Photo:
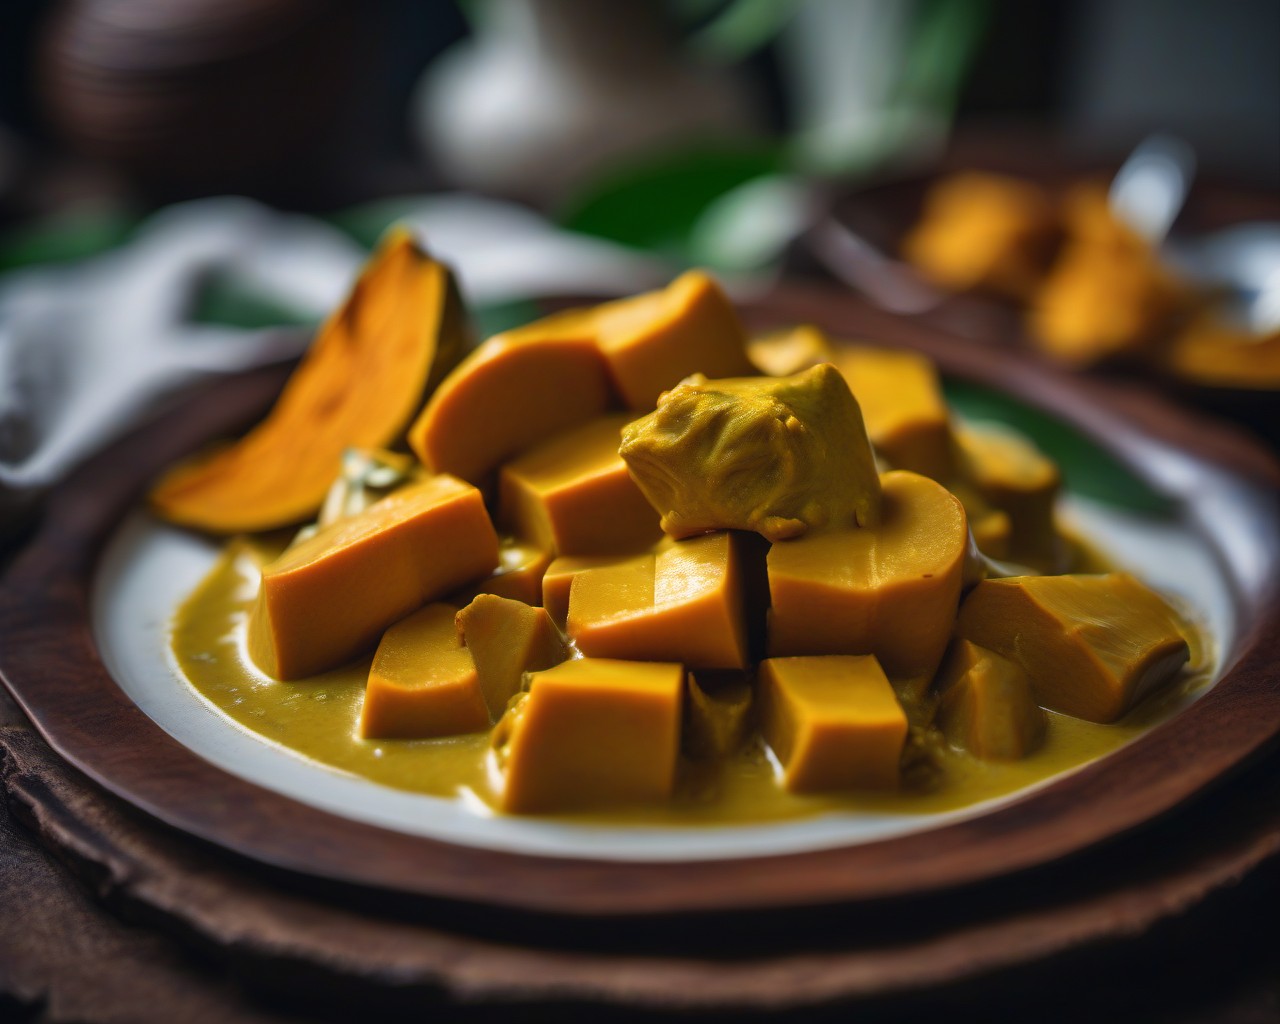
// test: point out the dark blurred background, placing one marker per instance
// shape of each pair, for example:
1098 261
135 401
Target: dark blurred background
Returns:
315 104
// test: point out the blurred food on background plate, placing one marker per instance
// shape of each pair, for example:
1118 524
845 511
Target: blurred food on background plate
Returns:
1091 287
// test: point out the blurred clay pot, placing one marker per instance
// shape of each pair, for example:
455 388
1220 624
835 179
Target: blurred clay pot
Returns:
204 96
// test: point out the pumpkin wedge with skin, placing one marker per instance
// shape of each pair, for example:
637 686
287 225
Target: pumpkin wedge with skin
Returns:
366 375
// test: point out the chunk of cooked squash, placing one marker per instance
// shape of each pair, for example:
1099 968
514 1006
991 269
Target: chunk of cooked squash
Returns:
517 389
507 639
986 706
689 602
422 683
591 732
902 405
833 721
890 590
572 495
652 341
330 597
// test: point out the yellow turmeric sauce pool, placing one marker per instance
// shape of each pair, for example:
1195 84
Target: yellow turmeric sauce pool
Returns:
317 718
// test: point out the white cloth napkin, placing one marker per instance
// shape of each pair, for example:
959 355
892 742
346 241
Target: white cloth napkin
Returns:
90 349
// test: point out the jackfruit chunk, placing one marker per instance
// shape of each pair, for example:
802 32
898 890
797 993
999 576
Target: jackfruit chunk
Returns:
986 705
591 732
1014 477
507 639
1092 646
423 683
573 495
687 603
902 405
833 721
718 714
781 456
330 597
891 591
652 341
790 350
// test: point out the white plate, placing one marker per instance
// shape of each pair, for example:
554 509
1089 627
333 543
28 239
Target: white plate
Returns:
148 568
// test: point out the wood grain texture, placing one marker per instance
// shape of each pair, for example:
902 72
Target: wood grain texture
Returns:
50 664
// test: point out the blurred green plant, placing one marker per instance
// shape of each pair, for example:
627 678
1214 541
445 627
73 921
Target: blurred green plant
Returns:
66 237
735 208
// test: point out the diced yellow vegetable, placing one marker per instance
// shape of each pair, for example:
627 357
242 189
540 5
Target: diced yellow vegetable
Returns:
687 603
653 341
891 591
1014 477
591 732
514 391
790 350
558 580
330 597
507 639
986 705
423 683
902 405
834 722
1092 646
521 567
572 495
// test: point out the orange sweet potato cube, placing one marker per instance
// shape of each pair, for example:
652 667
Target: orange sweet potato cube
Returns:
507 639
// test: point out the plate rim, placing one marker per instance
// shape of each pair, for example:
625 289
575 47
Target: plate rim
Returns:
50 664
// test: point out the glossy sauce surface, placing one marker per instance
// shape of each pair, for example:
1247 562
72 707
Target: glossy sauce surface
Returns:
316 718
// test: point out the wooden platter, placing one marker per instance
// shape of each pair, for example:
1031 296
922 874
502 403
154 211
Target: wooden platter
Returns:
51 665
1059 943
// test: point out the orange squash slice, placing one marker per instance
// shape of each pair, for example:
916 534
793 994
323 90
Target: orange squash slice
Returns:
362 382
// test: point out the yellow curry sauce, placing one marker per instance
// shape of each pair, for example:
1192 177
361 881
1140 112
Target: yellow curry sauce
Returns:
317 718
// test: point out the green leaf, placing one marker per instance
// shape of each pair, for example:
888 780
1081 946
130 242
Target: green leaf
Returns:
655 205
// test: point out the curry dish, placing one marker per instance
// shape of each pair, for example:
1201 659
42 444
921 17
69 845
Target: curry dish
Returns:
636 565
